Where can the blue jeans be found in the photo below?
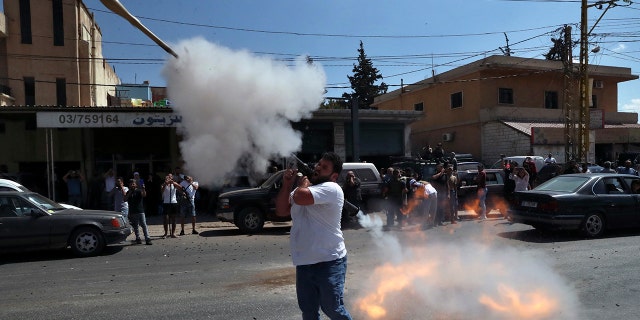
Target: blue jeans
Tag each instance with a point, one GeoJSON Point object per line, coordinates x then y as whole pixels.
{"type": "Point", "coordinates": [431, 209]}
{"type": "Point", "coordinates": [125, 211]}
{"type": "Point", "coordinates": [321, 285]}
{"type": "Point", "coordinates": [138, 219]}
{"type": "Point", "coordinates": [453, 204]}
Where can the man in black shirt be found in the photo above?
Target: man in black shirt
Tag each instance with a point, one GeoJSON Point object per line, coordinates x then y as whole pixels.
{"type": "Point", "coordinates": [134, 198]}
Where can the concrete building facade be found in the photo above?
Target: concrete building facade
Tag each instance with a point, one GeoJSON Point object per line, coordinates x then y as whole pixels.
{"type": "Point", "coordinates": [512, 106]}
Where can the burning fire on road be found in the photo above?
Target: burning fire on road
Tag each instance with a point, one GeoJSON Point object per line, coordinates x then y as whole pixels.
{"type": "Point", "coordinates": [424, 278]}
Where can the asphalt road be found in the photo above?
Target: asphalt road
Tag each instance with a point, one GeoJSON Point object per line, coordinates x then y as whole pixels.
{"type": "Point", "coordinates": [471, 270]}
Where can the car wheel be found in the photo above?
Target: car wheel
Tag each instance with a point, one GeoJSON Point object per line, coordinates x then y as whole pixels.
{"type": "Point", "coordinates": [593, 225]}
{"type": "Point", "coordinates": [86, 242]}
{"type": "Point", "coordinates": [250, 220]}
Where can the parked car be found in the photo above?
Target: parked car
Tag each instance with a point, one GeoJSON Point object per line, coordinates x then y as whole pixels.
{"type": "Point", "coordinates": [467, 165]}
{"type": "Point", "coordinates": [468, 190]}
{"type": "Point", "coordinates": [249, 208]}
{"type": "Point", "coordinates": [426, 168]}
{"type": "Point", "coordinates": [30, 221]}
{"type": "Point", "coordinates": [370, 180]}
{"type": "Point", "coordinates": [10, 185]}
{"type": "Point", "coordinates": [591, 202]}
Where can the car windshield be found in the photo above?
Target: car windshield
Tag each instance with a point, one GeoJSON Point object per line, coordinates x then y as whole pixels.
{"type": "Point", "coordinates": [44, 202]}
{"type": "Point", "coordinates": [563, 184]}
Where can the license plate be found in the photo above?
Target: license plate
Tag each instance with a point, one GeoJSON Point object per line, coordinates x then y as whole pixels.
{"type": "Point", "coordinates": [531, 204]}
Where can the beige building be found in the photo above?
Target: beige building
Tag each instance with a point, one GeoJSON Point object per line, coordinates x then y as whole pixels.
{"type": "Point", "coordinates": [513, 106]}
{"type": "Point", "coordinates": [63, 108]}
{"type": "Point", "coordinates": [51, 54]}
{"type": "Point", "coordinates": [50, 58]}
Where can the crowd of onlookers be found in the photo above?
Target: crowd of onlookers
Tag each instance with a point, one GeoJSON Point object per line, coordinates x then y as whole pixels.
{"type": "Point", "coordinates": [412, 199]}
{"type": "Point", "coordinates": [432, 201]}
{"type": "Point", "coordinates": [136, 197]}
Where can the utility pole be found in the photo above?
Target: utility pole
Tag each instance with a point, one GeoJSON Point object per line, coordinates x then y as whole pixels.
{"type": "Point", "coordinates": [583, 120]}
{"type": "Point", "coordinates": [585, 113]}
{"type": "Point", "coordinates": [570, 123]}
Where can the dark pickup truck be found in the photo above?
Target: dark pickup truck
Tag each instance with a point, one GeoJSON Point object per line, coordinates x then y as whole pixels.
{"type": "Point", "coordinates": [249, 208]}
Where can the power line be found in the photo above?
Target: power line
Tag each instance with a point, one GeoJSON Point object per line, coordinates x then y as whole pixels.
{"type": "Point", "coordinates": [293, 33]}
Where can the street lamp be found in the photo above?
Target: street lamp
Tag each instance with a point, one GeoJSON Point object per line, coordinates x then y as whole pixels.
{"type": "Point", "coordinates": [116, 7]}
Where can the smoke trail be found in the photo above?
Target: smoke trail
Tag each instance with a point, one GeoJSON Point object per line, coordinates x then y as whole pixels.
{"type": "Point", "coordinates": [236, 107]}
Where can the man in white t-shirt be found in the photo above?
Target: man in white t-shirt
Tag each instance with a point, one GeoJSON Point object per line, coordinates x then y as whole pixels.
{"type": "Point", "coordinates": [549, 159]}
{"type": "Point", "coordinates": [317, 245]}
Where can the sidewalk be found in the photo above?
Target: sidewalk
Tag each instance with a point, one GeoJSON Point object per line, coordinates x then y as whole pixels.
{"type": "Point", "coordinates": [204, 222]}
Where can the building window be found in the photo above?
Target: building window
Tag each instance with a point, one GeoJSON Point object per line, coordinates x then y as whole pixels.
{"type": "Point", "coordinates": [25, 21]}
{"type": "Point", "coordinates": [58, 25]}
{"type": "Point", "coordinates": [594, 101]}
{"type": "Point", "coordinates": [456, 100]}
{"type": "Point", "coordinates": [551, 99]}
{"type": "Point", "coordinates": [61, 91]}
{"type": "Point", "coordinates": [29, 91]}
{"type": "Point", "coordinates": [505, 95]}
{"type": "Point", "coordinates": [418, 107]}
{"type": "Point", "coordinates": [598, 84]}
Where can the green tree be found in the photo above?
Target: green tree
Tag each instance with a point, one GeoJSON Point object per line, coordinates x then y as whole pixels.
{"type": "Point", "coordinates": [334, 104]}
{"type": "Point", "coordinates": [363, 82]}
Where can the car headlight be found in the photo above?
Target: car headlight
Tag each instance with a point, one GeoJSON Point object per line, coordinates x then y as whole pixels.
{"type": "Point", "coordinates": [223, 203]}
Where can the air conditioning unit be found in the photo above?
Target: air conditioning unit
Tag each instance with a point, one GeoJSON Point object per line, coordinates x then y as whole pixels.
{"type": "Point", "coordinates": [447, 136]}
{"type": "Point", "coordinates": [598, 84]}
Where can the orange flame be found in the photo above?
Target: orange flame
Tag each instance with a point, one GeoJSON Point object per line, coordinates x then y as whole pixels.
{"type": "Point", "coordinates": [532, 305]}
{"type": "Point", "coordinates": [417, 198]}
{"type": "Point", "coordinates": [495, 204]}
{"type": "Point", "coordinates": [393, 282]}
{"type": "Point", "coordinates": [393, 279]}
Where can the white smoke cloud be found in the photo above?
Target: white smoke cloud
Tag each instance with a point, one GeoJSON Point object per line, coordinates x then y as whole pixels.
{"type": "Point", "coordinates": [464, 279]}
{"type": "Point", "coordinates": [236, 106]}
